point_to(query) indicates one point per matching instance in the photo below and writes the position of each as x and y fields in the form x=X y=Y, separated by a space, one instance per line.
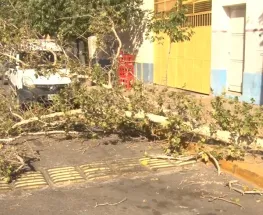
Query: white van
x=25 y=72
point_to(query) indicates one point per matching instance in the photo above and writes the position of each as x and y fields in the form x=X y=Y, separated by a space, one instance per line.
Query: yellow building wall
x=189 y=64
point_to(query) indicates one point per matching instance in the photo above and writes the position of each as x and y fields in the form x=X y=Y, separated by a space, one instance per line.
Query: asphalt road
x=181 y=192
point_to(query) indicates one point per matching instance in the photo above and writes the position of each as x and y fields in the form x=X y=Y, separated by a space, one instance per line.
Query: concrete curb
x=245 y=173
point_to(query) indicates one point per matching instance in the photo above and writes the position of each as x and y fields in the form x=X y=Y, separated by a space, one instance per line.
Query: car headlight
x=28 y=82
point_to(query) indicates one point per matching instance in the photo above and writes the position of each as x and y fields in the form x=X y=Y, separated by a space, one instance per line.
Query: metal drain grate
x=126 y=165
x=155 y=164
x=31 y=180
x=64 y=175
x=4 y=186
x=97 y=171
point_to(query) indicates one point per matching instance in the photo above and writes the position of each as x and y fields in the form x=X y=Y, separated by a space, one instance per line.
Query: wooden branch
x=113 y=29
x=222 y=198
x=8 y=140
x=234 y=188
x=182 y=163
x=152 y=117
x=110 y=204
x=22 y=163
x=49 y=116
x=12 y=57
x=16 y=115
x=165 y=157
x=230 y=185
x=215 y=162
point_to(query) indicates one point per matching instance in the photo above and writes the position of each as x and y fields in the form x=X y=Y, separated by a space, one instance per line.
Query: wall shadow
x=132 y=39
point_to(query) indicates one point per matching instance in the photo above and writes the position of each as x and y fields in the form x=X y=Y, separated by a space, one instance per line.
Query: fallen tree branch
x=16 y=115
x=110 y=204
x=49 y=116
x=141 y=115
x=231 y=183
x=13 y=58
x=215 y=162
x=186 y=162
x=152 y=117
x=22 y=163
x=39 y=134
x=221 y=198
x=234 y=188
x=165 y=157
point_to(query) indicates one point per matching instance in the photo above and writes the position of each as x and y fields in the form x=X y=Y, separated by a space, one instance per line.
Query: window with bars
x=163 y=5
x=198 y=13
x=199 y=20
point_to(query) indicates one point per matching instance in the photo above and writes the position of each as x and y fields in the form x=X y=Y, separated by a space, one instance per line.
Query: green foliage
x=241 y=119
x=45 y=15
x=172 y=23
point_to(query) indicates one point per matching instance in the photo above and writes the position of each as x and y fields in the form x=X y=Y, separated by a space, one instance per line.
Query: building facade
x=144 y=66
x=225 y=55
x=237 y=49
x=185 y=65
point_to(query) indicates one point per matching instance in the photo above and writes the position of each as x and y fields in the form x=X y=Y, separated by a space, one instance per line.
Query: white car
x=3 y=70
x=25 y=73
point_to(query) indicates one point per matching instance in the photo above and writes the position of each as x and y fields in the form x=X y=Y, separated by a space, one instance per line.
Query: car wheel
x=4 y=80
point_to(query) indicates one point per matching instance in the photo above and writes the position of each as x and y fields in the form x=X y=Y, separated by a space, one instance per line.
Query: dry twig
x=7 y=140
x=215 y=162
x=110 y=204
x=221 y=198
x=16 y=115
x=165 y=157
x=231 y=183
x=21 y=161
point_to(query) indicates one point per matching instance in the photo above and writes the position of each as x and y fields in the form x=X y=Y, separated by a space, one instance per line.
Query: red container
x=127 y=82
x=126 y=70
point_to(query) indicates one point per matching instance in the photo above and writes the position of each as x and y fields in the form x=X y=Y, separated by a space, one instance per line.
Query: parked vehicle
x=3 y=70
x=37 y=71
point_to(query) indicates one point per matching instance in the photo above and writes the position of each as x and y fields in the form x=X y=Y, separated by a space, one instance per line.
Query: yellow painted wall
x=189 y=64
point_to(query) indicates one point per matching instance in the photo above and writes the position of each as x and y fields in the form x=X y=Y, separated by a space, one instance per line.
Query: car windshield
x=42 y=59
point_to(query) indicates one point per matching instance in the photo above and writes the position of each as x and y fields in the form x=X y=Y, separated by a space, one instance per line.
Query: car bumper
x=38 y=93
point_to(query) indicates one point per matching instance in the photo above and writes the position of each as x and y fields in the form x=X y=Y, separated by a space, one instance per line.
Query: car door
x=12 y=75
x=13 y=70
